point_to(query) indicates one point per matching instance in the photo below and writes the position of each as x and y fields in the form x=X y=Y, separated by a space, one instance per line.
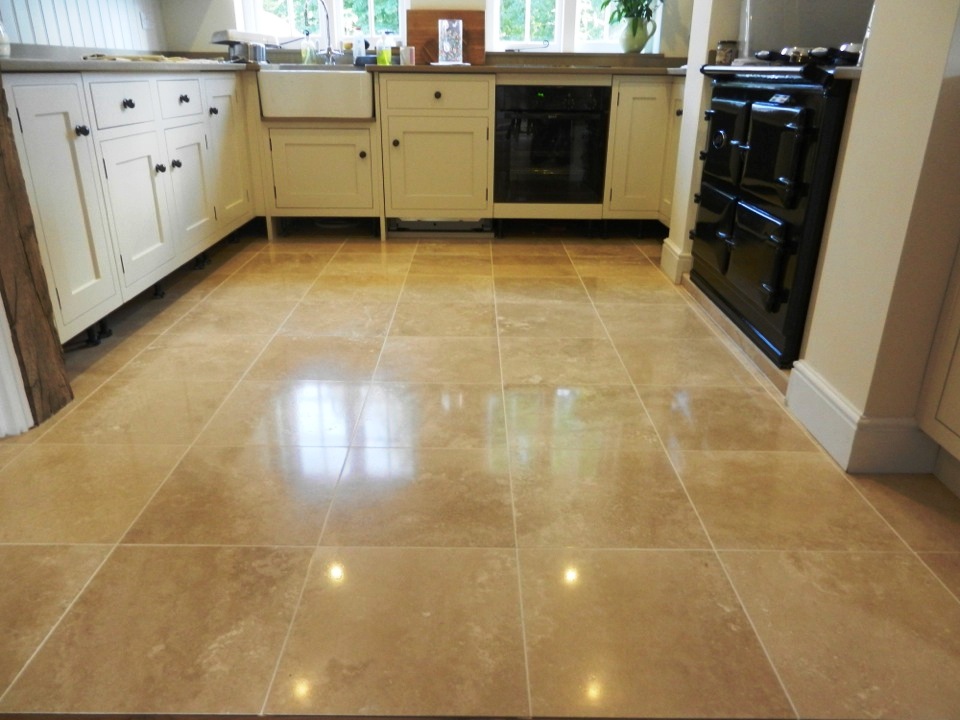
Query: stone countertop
x=523 y=69
x=10 y=65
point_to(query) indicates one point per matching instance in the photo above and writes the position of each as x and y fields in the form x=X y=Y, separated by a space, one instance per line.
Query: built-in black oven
x=551 y=143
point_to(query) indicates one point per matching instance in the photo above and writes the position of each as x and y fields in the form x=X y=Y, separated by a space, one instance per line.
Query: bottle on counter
x=4 y=43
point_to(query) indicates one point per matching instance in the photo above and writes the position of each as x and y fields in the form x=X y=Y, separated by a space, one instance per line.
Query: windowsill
x=600 y=60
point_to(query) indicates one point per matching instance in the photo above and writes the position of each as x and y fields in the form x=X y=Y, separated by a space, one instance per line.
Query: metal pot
x=252 y=52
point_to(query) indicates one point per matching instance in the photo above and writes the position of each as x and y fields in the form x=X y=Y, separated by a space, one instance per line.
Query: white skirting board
x=15 y=415
x=674 y=262
x=858 y=443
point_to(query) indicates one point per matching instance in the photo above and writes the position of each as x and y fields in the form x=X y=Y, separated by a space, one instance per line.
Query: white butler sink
x=315 y=91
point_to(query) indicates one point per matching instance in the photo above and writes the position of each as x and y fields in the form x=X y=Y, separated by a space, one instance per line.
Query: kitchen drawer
x=125 y=102
x=438 y=93
x=179 y=98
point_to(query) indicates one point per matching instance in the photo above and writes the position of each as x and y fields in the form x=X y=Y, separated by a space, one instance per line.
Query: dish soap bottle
x=4 y=43
x=308 y=53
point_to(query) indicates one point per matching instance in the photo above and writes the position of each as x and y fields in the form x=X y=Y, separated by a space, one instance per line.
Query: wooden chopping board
x=422 y=34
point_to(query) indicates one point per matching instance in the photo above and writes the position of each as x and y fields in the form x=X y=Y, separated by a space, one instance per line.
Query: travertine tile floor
x=509 y=478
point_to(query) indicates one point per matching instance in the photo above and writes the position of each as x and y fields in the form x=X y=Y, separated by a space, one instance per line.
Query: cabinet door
x=230 y=171
x=329 y=169
x=192 y=201
x=674 y=116
x=636 y=148
x=436 y=163
x=60 y=172
x=136 y=178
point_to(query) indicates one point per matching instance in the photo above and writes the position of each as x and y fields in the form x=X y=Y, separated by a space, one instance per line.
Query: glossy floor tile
x=513 y=477
x=404 y=631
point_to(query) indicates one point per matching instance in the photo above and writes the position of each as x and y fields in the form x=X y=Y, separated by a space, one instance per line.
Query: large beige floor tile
x=608 y=418
x=405 y=631
x=280 y=261
x=368 y=264
x=618 y=250
x=539 y=267
x=344 y=318
x=781 y=501
x=168 y=630
x=257 y=495
x=148 y=315
x=317 y=357
x=705 y=418
x=443 y=263
x=373 y=246
x=439 y=416
x=947 y=568
x=228 y=317
x=549 y=319
x=919 y=507
x=424 y=498
x=640 y=633
x=448 y=288
x=262 y=287
x=627 y=322
x=198 y=357
x=527 y=249
x=645 y=285
x=291 y=412
x=439 y=359
x=355 y=288
x=8 y=452
x=460 y=247
x=106 y=358
x=79 y=493
x=633 y=266
x=694 y=361
x=145 y=412
x=416 y=319
x=590 y=499
x=541 y=289
x=561 y=361
x=47 y=579
x=855 y=635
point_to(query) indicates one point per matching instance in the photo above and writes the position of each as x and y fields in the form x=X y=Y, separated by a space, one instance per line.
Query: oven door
x=760 y=258
x=713 y=235
x=722 y=158
x=549 y=157
x=774 y=152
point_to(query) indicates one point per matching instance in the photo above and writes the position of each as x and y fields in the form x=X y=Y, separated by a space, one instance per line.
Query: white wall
x=887 y=251
x=188 y=24
x=102 y=24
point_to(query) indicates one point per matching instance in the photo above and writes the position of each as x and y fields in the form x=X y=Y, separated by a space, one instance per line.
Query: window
x=290 y=18
x=553 y=26
x=550 y=25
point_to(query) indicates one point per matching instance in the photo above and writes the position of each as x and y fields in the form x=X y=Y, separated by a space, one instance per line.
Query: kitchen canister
x=726 y=52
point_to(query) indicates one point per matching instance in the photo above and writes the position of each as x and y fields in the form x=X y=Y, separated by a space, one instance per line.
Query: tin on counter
x=726 y=52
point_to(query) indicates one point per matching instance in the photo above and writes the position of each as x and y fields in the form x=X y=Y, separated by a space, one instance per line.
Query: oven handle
x=561 y=115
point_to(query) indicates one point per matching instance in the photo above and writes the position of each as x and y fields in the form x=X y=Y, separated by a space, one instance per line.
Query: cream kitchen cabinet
x=938 y=411
x=674 y=116
x=135 y=176
x=329 y=169
x=53 y=136
x=229 y=161
x=636 y=148
x=437 y=146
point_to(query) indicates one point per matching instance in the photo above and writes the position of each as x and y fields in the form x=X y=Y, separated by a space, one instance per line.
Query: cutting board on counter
x=422 y=33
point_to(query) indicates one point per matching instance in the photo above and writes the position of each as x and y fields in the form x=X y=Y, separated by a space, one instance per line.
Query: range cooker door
x=774 y=152
x=760 y=262
x=722 y=159
x=713 y=234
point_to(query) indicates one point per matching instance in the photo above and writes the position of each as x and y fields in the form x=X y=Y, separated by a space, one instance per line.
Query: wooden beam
x=23 y=288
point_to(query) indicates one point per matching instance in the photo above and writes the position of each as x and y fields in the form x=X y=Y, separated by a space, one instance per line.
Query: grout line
x=513 y=501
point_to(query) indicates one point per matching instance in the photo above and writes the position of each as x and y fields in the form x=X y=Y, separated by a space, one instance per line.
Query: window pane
x=512 y=14
x=386 y=15
x=592 y=21
x=543 y=20
x=355 y=17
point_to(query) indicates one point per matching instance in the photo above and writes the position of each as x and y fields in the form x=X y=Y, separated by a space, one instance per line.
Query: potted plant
x=640 y=25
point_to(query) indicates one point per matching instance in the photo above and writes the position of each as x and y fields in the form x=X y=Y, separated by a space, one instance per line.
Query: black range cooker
x=768 y=170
